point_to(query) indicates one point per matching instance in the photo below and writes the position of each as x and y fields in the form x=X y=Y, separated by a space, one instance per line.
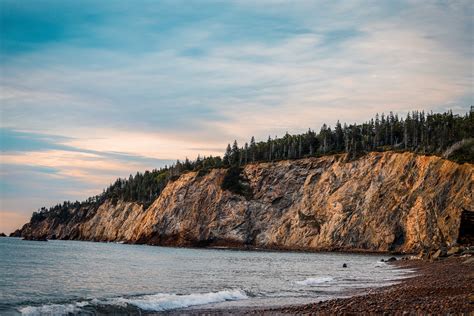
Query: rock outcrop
x=399 y=202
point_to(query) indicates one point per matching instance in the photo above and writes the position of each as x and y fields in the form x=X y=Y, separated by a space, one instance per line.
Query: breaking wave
x=380 y=264
x=155 y=302
x=315 y=281
x=53 y=309
x=164 y=302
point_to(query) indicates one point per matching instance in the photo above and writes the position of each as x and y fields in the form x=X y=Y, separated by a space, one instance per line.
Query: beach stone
x=425 y=254
x=344 y=265
x=453 y=250
x=471 y=299
x=392 y=259
x=439 y=254
x=436 y=255
x=470 y=260
x=468 y=251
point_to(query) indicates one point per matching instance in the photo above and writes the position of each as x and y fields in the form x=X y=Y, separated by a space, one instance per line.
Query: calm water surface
x=61 y=277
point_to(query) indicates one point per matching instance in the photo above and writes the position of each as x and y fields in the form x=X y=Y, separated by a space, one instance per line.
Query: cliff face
x=380 y=202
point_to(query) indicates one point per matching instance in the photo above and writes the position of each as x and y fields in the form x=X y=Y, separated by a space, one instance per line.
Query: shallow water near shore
x=61 y=277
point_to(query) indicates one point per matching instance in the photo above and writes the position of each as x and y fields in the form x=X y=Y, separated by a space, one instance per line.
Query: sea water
x=60 y=277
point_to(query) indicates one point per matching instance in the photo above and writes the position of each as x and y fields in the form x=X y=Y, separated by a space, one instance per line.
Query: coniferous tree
x=427 y=133
x=235 y=154
x=228 y=156
x=253 y=148
x=339 y=137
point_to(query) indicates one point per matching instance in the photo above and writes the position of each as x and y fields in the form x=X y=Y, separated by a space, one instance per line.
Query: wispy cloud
x=42 y=169
x=107 y=88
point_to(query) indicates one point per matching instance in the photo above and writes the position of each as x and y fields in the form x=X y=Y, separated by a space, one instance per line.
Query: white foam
x=315 y=281
x=380 y=264
x=156 y=302
x=52 y=309
x=164 y=302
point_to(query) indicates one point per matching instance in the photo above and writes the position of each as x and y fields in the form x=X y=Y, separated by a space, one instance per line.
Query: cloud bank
x=97 y=90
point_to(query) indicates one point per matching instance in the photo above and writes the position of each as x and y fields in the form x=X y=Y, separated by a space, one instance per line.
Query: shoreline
x=242 y=247
x=443 y=286
x=439 y=287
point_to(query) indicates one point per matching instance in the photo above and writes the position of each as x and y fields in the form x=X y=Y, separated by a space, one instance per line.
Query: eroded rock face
x=380 y=202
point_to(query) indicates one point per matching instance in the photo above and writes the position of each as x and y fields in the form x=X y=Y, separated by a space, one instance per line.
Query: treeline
x=145 y=187
x=142 y=188
x=417 y=132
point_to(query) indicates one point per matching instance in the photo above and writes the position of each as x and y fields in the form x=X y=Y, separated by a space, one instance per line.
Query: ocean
x=85 y=278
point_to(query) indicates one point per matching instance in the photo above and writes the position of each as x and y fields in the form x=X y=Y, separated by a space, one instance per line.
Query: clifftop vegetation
x=446 y=134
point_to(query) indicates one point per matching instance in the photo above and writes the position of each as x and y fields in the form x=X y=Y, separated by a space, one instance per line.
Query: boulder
x=391 y=259
x=344 y=265
x=424 y=254
x=439 y=254
x=453 y=250
x=16 y=233
x=436 y=255
x=3 y=235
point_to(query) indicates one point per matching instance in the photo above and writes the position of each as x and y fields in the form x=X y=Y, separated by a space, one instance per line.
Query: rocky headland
x=380 y=202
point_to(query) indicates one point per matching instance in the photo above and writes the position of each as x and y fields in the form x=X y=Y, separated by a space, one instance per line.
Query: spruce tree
x=235 y=154
x=228 y=156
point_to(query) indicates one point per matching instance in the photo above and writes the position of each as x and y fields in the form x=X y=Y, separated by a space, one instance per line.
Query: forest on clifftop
x=443 y=134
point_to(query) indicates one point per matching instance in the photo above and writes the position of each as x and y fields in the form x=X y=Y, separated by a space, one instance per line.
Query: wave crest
x=53 y=309
x=155 y=302
x=164 y=302
x=315 y=281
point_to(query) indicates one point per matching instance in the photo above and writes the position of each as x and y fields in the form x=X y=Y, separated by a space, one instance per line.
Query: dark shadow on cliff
x=235 y=182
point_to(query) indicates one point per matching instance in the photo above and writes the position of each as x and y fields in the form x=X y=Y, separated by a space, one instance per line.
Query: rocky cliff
x=381 y=202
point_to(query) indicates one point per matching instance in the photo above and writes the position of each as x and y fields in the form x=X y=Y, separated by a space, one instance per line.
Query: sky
x=95 y=90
